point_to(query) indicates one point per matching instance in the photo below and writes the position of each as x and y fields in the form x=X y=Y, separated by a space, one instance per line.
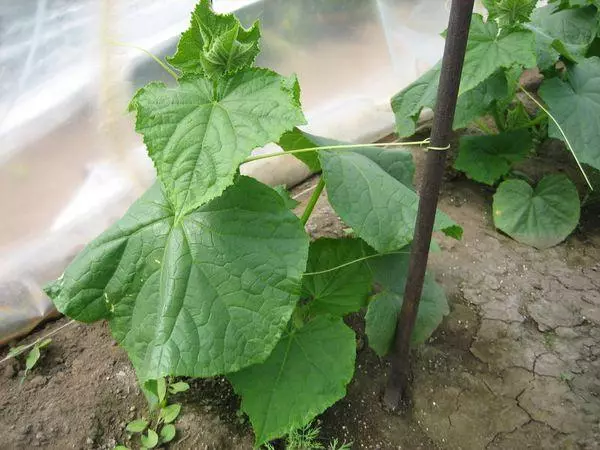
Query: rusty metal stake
x=452 y=63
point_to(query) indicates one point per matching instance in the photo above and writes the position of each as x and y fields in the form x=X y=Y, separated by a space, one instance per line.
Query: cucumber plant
x=561 y=40
x=210 y=272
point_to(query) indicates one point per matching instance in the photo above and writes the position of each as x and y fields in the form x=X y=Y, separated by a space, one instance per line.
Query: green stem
x=498 y=120
x=334 y=147
x=483 y=126
x=355 y=261
x=539 y=119
x=313 y=201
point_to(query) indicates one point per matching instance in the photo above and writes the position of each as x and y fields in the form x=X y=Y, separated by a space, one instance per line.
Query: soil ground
x=515 y=365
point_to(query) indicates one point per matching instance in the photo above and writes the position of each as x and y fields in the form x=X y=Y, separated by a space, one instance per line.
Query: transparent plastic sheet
x=70 y=162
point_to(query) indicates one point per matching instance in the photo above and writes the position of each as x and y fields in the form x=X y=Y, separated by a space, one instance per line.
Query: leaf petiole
x=336 y=147
x=543 y=108
x=313 y=201
x=349 y=263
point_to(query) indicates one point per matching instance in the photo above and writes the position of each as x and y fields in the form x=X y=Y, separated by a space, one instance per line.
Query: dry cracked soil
x=515 y=365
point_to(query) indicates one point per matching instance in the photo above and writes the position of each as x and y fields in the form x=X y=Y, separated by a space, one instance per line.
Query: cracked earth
x=515 y=365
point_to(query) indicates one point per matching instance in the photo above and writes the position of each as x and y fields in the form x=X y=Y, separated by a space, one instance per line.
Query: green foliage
x=215 y=44
x=379 y=208
x=390 y=275
x=32 y=357
x=378 y=204
x=488 y=158
x=341 y=291
x=488 y=50
x=540 y=217
x=212 y=127
x=575 y=105
x=568 y=33
x=517 y=36
x=509 y=13
x=306 y=373
x=288 y=201
x=178 y=387
x=210 y=273
x=150 y=439
x=308 y=438
x=164 y=286
x=159 y=429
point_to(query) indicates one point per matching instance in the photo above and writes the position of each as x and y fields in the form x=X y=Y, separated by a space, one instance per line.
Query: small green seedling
x=159 y=429
x=307 y=438
x=566 y=377
x=32 y=357
x=550 y=340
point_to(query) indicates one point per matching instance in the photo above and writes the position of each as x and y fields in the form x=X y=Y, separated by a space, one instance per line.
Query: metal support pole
x=452 y=63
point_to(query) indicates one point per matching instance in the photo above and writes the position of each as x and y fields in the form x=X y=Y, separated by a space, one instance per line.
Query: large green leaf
x=340 y=291
x=200 y=131
x=408 y=103
x=379 y=208
x=509 y=13
x=488 y=158
x=307 y=372
x=206 y=295
x=489 y=50
x=540 y=217
x=568 y=32
x=390 y=274
x=215 y=44
x=575 y=105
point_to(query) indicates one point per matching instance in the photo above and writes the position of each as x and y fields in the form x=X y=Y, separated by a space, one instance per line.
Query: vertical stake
x=454 y=53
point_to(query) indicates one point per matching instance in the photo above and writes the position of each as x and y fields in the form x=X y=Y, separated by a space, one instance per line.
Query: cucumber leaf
x=207 y=295
x=540 y=217
x=509 y=13
x=340 y=291
x=215 y=44
x=369 y=188
x=408 y=103
x=488 y=158
x=380 y=209
x=200 y=131
x=575 y=105
x=480 y=100
x=489 y=50
x=568 y=32
x=307 y=372
x=390 y=273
